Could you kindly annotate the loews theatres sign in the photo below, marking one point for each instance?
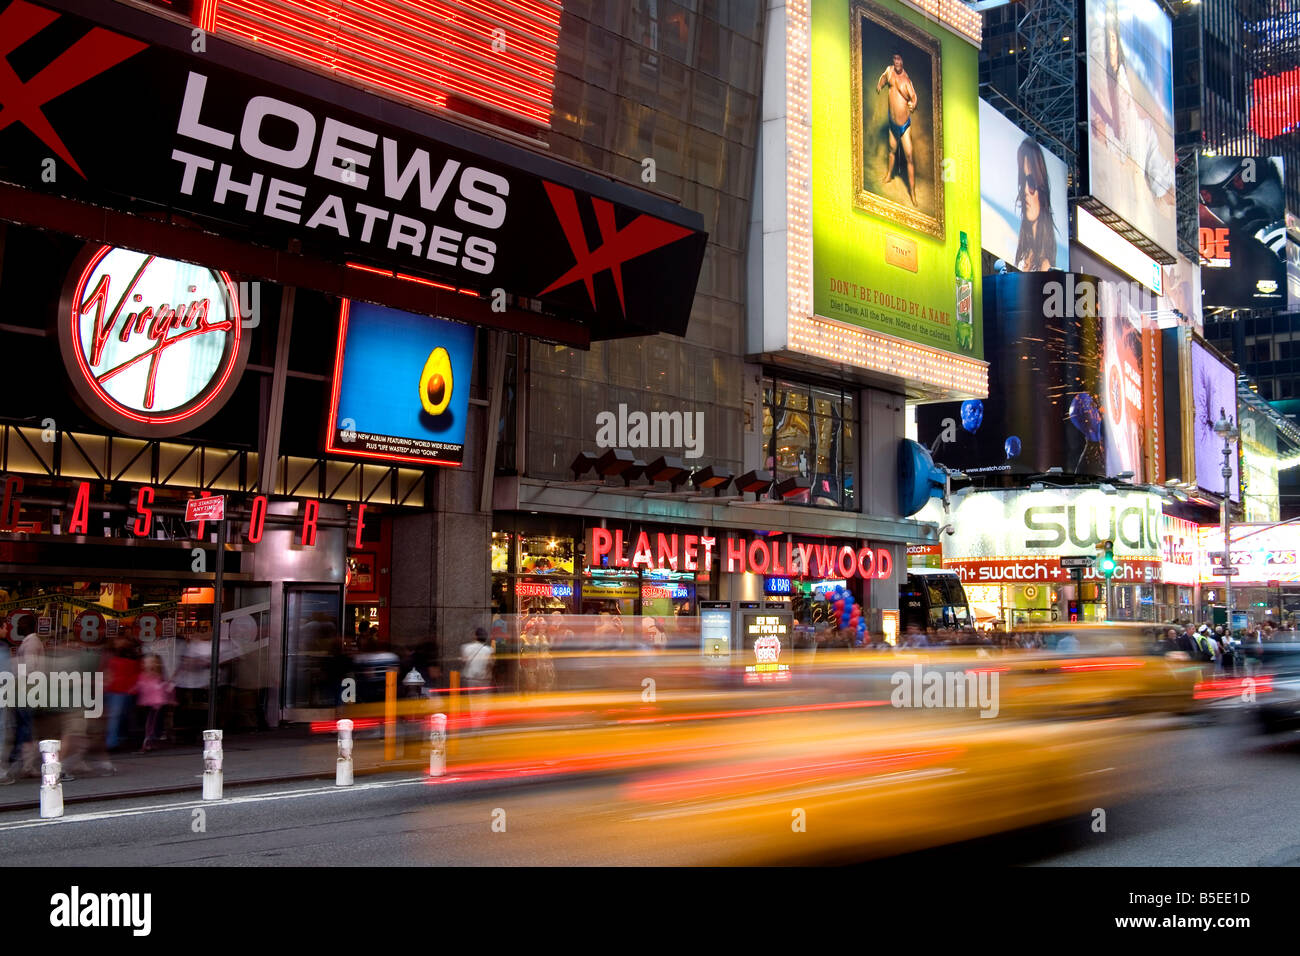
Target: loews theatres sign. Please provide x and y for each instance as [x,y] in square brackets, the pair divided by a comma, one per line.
[229,138]
[152,347]
[1020,536]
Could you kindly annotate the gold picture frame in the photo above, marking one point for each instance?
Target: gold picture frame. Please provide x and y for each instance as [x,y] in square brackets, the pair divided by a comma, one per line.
[927,217]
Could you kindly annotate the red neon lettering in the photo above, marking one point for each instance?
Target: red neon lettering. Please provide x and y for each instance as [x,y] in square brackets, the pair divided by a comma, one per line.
[81,511]
[13,506]
[776,558]
[257,519]
[825,560]
[601,540]
[735,554]
[619,561]
[691,547]
[805,559]
[756,547]
[884,563]
[846,562]
[642,551]
[143,499]
[865,569]
[667,550]
[154,324]
[361,521]
[709,544]
[311,509]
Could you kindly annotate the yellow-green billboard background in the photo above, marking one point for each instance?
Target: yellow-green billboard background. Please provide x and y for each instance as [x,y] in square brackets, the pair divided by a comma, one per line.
[849,243]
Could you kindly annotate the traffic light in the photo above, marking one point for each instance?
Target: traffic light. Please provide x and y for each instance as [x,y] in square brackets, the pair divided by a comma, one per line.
[1106,560]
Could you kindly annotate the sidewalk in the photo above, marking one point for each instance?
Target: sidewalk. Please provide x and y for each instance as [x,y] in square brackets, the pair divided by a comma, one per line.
[289,753]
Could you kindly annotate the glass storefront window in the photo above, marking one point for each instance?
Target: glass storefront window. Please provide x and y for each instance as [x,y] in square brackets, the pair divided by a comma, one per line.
[501,551]
[545,555]
[810,433]
[544,594]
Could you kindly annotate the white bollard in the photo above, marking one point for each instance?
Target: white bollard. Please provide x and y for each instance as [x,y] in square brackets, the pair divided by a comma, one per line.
[437,745]
[51,780]
[212,759]
[343,766]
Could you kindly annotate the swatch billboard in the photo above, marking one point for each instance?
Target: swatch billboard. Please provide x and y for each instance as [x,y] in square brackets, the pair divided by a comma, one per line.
[1046,404]
[401,386]
[1130,115]
[1243,238]
[1024,216]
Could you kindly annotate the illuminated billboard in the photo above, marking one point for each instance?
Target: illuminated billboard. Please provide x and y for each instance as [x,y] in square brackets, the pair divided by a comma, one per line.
[1243,242]
[401,386]
[895,175]
[1024,217]
[1213,390]
[1130,115]
[1045,340]
[1260,553]
[1019,537]
[1122,400]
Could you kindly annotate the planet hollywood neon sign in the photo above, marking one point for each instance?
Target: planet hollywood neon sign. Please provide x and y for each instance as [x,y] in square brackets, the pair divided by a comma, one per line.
[153,347]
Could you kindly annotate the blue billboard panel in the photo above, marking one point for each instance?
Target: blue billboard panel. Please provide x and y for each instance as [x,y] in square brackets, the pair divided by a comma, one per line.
[401,386]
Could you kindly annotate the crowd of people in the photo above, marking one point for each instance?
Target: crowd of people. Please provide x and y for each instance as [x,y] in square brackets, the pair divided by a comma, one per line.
[153,693]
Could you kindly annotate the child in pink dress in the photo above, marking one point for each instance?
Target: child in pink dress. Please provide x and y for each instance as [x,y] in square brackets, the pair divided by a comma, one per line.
[155,692]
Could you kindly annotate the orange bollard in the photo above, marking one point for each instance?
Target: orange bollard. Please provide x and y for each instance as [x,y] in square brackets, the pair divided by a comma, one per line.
[454,695]
[390,715]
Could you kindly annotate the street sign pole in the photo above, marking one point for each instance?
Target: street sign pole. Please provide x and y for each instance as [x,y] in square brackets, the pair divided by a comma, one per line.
[217,583]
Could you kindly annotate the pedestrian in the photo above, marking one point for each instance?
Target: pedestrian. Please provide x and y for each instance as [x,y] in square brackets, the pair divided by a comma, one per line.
[476,661]
[34,724]
[6,724]
[153,692]
[121,671]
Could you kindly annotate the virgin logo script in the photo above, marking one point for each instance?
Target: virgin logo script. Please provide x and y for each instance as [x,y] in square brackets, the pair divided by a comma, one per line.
[153,323]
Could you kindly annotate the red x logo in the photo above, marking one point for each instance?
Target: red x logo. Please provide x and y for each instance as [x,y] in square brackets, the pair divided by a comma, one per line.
[643,234]
[20,102]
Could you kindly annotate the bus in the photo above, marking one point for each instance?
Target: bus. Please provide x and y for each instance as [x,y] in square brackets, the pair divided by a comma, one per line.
[933,599]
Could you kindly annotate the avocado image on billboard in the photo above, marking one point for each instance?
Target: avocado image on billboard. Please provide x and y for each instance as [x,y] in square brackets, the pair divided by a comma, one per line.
[895,174]
[401,386]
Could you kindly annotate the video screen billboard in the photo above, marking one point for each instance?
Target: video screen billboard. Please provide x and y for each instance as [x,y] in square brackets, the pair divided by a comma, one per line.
[1130,115]
[1122,380]
[1214,389]
[895,174]
[1046,399]
[401,386]
[1243,232]
[1024,217]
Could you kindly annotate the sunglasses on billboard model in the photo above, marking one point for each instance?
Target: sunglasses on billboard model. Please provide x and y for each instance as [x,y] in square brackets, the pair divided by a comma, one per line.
[1030,183]
[1217,195]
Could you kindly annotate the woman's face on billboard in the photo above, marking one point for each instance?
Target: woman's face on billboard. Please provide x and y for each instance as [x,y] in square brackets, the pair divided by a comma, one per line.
[1032,186]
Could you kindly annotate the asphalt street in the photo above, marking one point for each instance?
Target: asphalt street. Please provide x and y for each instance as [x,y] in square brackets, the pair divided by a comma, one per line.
[1218,796]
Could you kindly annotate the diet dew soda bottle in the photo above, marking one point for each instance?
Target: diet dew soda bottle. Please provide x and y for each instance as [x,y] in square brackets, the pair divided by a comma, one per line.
[965,291]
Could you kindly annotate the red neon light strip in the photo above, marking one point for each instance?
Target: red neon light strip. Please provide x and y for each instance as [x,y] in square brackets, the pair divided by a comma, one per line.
[543,51]
[351,34]
[271,38]
[526,89]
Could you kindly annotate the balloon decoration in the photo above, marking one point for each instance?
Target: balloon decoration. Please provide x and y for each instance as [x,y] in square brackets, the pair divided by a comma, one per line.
[1085,416]
[972,415]
[1012,447]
